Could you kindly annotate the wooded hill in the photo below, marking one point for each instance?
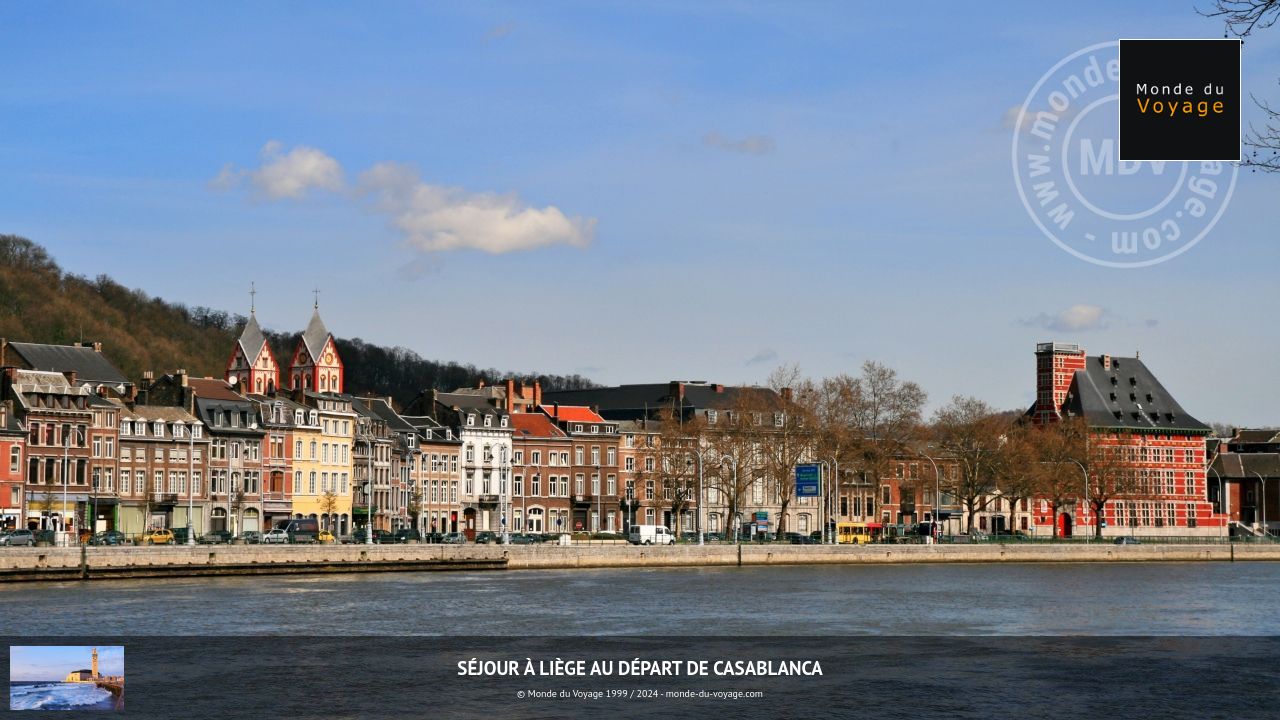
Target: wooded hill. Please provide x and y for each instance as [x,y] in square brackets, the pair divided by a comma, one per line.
[41,303]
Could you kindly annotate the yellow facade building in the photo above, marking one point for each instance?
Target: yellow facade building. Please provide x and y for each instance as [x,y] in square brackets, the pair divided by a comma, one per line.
[322,461]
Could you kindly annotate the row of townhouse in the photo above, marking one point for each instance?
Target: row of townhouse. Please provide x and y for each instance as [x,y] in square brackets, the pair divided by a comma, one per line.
[82,447]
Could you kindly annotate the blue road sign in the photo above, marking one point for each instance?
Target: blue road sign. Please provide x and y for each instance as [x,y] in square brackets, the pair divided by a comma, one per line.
[808,480]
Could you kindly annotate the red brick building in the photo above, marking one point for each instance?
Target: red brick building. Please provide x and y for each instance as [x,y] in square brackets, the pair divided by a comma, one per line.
[1160,444]
[594,491]
[12,442]
[540,453]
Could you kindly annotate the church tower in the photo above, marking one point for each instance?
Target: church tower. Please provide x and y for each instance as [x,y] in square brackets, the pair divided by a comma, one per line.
[253,367]
[316,365]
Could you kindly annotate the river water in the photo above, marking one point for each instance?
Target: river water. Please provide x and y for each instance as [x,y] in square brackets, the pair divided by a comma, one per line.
[1016,599]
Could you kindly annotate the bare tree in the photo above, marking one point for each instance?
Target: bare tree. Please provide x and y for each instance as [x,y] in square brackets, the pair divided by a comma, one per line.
[786,435]
[884,416]
[1241,18]
[1016,470]
[971,434]
[1111,475]
[734,457]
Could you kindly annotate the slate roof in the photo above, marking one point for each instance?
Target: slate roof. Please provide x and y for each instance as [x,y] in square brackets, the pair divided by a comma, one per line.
[627,402]
[89,365]
[473,403]
[252,338]
[214,389]
[1244,465]
[1258,437]
[379,408]
[315,336]
[1126,396]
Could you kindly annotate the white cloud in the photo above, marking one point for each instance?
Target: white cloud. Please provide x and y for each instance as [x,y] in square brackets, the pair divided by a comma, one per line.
[432,218]
[285,175]
[1077,318]
[749,145]
[435,218]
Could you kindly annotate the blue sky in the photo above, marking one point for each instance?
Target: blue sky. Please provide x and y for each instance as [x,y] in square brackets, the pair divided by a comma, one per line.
[677,190]
[53,662]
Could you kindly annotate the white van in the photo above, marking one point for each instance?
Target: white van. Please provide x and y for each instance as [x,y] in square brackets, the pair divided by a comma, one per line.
[651,535]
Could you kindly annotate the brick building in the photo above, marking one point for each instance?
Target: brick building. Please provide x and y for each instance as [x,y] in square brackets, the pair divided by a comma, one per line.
[12,442]
[1244,480]
[163,465]
[540,453]
[1162,447]
[594,493]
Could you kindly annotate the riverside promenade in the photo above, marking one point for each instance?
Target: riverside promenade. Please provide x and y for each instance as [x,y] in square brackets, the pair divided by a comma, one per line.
[35,564]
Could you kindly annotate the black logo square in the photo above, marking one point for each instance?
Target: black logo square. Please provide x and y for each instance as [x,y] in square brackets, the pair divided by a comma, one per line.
[1180,100]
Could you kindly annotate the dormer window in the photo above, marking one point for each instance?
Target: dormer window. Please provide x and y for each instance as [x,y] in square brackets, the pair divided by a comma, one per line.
[595,429]
[179,430]
[157,428]
[504,422]
[126,428]
[711,417]
[488,420]
[777,419]
[197,431]
[141,427]
[577,428]
[471,420]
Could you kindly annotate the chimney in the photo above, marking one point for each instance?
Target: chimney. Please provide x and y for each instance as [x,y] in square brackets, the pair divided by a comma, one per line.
[71,376]
[555,411]
[4,350]
[511,394]
[676,390]
[718,388]
[97,347]
[786,394]
[182,377]
[1106,362]
[537,392]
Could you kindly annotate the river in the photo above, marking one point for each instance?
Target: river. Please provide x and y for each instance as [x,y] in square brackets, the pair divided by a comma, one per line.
[997,599]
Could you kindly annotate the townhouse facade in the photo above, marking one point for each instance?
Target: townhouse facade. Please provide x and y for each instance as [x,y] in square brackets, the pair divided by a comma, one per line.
[12,462]
[540,453]
[436,476]
[162,469]
[595,496]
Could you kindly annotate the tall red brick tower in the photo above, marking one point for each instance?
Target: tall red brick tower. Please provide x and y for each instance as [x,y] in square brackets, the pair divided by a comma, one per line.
[1056,365]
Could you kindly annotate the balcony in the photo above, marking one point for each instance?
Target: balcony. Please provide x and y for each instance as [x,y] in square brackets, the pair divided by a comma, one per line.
[487,499]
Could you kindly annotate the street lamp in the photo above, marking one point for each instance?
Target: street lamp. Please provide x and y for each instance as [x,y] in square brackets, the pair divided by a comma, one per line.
[1263,482]
[191,479]
[368,516]
[66,446]
[937,497]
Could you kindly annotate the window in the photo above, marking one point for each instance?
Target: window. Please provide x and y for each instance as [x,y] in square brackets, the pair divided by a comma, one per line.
[535,485]
[15,460]
[629,463]
[611,456]
[579,484]
[488,420]
[311,484]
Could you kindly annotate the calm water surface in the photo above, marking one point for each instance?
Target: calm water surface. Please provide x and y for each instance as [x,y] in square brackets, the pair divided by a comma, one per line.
[1024,599]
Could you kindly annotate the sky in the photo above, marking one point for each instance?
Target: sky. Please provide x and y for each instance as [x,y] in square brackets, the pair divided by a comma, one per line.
[54,662]
[633,192]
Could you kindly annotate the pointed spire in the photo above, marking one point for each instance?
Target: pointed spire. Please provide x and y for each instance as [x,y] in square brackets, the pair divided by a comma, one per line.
[316,335]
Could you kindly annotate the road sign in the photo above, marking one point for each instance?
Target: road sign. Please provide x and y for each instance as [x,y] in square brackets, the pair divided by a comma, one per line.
[808,480]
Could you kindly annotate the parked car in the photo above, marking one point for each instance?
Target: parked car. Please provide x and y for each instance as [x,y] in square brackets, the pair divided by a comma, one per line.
[407,535]
[379,536]
[325,537]
[453,539]
[161,536]
[433,538]
[487,537]
[18,537]
[524,539]
[1128,540]
[250,537]
[108,537]
[278,536]
[799,539]
[216,537]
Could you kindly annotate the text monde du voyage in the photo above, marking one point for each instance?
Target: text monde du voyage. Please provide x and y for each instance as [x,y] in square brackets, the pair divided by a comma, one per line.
[1180,99]
[636,667]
